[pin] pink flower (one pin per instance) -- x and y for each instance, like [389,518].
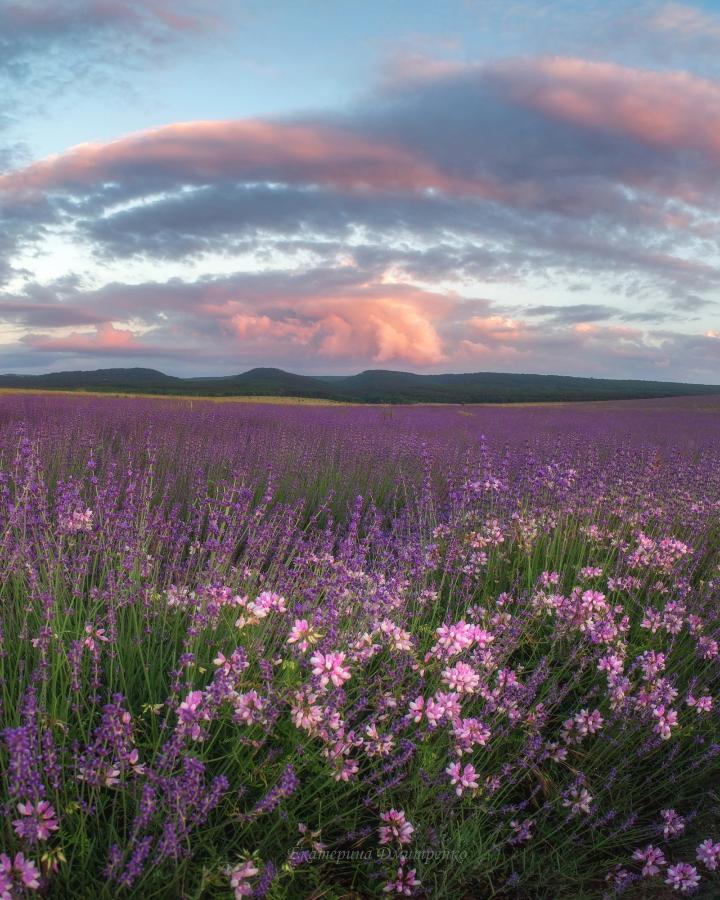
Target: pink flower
[18,871]
[465,779]
[396,827]
[403,882]
[249,707]
[178,596]
[443,706]
[548,578]
[588,722]
[348,771]
[469,732]
[78,520]
[579,800]
[399,639]
[306,714]
[682,877]
[377,744]
[28,872]
[417,706]
[234,664]
[38,821]
[652,663]
[94,634]
[461,678]
[672,823]
[266,602]
[453,639]
[666,720]
[329,666]
[708,647]
[239,877]
[303,634]
[555,751]
[701,704]
[651,858]
[708,853]
[483,638]
[522,831]
[611,663]
[191,713]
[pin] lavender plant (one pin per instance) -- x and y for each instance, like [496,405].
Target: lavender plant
[280,651]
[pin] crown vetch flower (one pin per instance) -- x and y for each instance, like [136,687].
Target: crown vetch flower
[682,877]
[673,823]
[578,800]
[463,778]
[17,872]
[403,881]
[240,877]
[708,853]
[38,821]
[395,828]
[329,667]
[652,859]
[461,678]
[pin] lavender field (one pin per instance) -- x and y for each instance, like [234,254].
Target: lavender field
[338,652]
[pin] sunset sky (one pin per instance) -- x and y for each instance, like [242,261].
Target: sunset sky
[328,186]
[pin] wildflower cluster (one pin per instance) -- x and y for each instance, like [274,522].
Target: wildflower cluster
[225,664]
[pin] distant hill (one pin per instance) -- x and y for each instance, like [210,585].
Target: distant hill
[371,386]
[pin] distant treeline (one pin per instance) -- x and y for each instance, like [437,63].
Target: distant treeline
[372,386]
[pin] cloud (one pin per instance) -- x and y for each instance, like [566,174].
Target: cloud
[326,315]
[33,29]
[62,48]
[491,131]
[672,111]
[338,320]
[105,340]
[51,315]
[685,24]
[380,325]
[577,312]
[372,235]
[590,349]
[251,151]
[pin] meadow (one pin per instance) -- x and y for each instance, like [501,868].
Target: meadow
[333,652]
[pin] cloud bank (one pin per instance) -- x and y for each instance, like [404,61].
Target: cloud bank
[448,220]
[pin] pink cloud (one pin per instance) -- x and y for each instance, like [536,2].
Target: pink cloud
[105,338]
[669,110]
[32,18]
[381,323]
[328,323]
[247,150]
[497,329]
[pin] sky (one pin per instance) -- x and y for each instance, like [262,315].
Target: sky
[327,186]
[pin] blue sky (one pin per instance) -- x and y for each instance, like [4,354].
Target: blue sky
[327,186]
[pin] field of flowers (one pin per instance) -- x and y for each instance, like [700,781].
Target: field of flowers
[336,652]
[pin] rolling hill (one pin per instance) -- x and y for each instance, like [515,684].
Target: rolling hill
[371,386]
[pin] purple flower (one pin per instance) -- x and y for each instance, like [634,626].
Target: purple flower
[673,823]
[18,872]
[395,828]
[240,878]
[708,853]
[652,859]
[403,881]
[682,877]
[38,821]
